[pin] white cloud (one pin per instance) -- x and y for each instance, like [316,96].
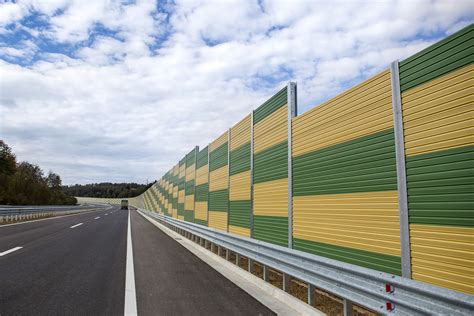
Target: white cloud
[24,50]
[11,12]
[12,52]
[123,107]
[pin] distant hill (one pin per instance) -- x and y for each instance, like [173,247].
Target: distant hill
[106,190]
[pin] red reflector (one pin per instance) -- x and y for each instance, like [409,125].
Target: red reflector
[388,288]
[389,306]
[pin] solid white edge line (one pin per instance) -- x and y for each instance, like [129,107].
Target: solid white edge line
[9,251]
[130,293]
[74,226]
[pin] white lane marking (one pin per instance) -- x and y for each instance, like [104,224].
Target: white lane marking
[106,214]
[9,251]
[74,226]
[130,294]
[97,217]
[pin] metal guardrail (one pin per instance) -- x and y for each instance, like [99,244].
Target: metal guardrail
[378,291]
[20,213]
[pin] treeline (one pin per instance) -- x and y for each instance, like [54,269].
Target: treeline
[25,183]
[106,190]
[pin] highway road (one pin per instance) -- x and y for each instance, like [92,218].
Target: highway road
[62,270]
[77,265]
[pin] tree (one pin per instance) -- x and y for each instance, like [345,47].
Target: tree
[28,186]
[7,159]
[53,181]
[106,190]
[7,168]
[24,183]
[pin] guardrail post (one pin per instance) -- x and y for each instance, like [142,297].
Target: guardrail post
[401,171]
[251,265]
[219,250]
[266,273]
[227,254]
[237,259]
[348,308]
[291,98]
[311,294]
[286,282]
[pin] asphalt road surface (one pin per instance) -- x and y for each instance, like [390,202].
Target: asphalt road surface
[76,265]
[172,281]
[62,270]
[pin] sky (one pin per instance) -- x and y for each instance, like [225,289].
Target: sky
[119,91]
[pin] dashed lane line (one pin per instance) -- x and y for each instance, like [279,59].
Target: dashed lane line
[9,251]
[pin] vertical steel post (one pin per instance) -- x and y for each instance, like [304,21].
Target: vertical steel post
[196,150]
[348,308]
[251,174]
[286,282]
[266,273]
[228,178]
[311,295]
[401,171]
[208,180]
[291,95]
[251,265]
